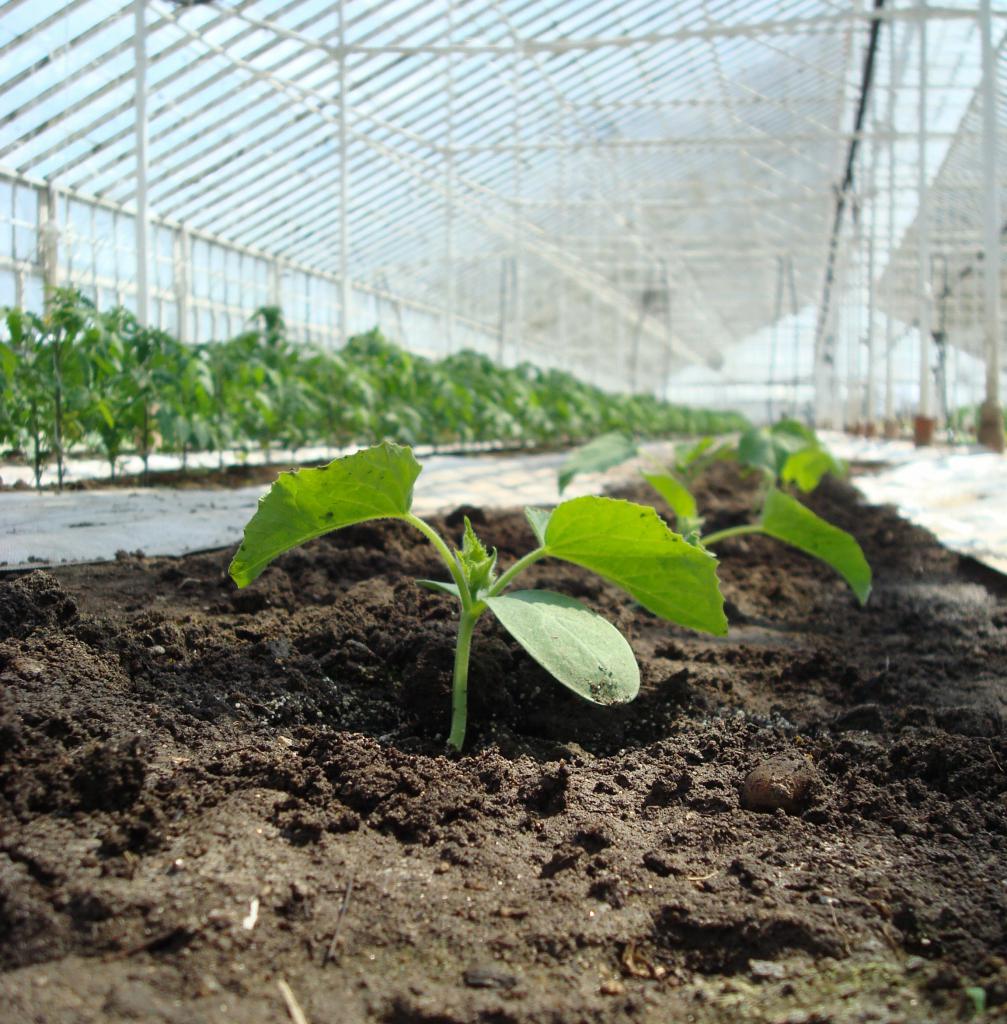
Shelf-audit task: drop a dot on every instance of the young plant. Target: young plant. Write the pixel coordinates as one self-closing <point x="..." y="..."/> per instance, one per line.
<point x="626" y="543"/>
<point x="786" y="453"/>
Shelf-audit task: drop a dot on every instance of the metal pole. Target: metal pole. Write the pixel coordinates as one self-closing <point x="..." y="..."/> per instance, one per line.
<point x="796" y="357"/>
<point x="870" y="400"/>
<point x="853" y="297"/>
<point x="665" y="382"/>
<point x="449" y="187"/>
<point x="345" y="287"/>
<point x="773" y="338"/>
<point x="182" y="282"/>
<point x="49" y="241"/>
<point x="563" y="328"/>
<point x="518" y="222"/>
<point x="925" y="423"/>
<point x="891" y="428"/>
<point x="140" y="124"/>
<point x="991" y="425"/>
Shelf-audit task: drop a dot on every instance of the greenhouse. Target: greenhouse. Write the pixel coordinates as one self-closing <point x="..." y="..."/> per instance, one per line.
<point x="503" y="511"/>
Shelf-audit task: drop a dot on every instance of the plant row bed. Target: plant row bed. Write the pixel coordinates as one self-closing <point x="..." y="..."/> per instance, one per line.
<point x="205" y="792"/>
<point x="77" y="379"/>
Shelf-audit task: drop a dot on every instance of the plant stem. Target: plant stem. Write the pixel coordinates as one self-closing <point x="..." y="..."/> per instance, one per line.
<point x="460" y="680"/>
<point x="519" y="566"/>
<point x="733" y="531"/>
<point x="446" y="557"/>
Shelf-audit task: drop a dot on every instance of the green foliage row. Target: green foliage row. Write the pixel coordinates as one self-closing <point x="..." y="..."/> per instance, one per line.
<point x="77" y="378"/>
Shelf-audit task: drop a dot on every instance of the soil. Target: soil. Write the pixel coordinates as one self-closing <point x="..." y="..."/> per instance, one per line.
<point x="226" y="805"/>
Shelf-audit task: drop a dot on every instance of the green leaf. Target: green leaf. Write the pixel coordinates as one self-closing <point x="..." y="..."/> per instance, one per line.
<point x="786" y="519"/>
<point x="807" y="467"/>
<point x="675" y="493"/>
<point x="572" y="643"/>
<point x="602" y="453"/>
<point x="632" y="546"/>
<point x="375" y="483"/>
<point x="538" y="520"/>
<point x="795" y="429"/>
<point x="439" y="587"/>
<point x="768" y="451"/>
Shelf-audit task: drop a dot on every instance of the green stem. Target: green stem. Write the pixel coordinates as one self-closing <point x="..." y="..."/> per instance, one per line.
<point x="733" y="531"/>
<point x="519" y="566"/>
<point x="446" y="557"/>
<point x="460" y="681"/>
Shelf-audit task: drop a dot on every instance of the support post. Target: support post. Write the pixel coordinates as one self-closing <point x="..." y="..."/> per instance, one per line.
<point x="991" y="421"/>
<point x="49" y="240"/>
<point x="796" y="358"/>
<point x="562" y="323"/>
<point x="449" y="189"/>
<point x="925" y="422"/>
<point x="773" y="341"/>
<point x="182" y="280"/>
<point x="870" y="397"/>
<point x="275" y="283"/>
<point x="665" y="382"/>
<point x="891" y="427"/>
<point x="345" y="286"/>
<point x="518" y="212"/>
<point x="140" y="124"/>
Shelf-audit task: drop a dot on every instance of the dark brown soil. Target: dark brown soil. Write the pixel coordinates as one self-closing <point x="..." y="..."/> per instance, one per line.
<point x="227" y="805"/>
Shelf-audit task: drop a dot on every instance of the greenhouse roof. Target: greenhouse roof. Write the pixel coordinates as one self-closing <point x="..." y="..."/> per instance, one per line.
<point x="660" y="172"/>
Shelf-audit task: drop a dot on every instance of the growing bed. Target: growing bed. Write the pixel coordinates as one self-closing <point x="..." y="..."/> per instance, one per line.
<point x="222" y="804"/>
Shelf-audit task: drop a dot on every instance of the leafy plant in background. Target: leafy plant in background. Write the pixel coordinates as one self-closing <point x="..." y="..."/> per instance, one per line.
<point x="786" y="453"/>
<point x="77" y="376"/>
<point x="49" y="373"/>
<point x="626" y="543"/>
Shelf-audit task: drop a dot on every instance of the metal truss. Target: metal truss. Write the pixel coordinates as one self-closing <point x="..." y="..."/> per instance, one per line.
<point x="614" y="187"/>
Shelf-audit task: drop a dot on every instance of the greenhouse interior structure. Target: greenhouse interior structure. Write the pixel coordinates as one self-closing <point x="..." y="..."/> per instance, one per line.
<point x="323" y="322"/>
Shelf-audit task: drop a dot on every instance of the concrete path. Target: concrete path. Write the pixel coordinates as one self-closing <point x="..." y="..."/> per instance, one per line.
<point x="90" y="526"/>
<point x="960" y="494"/>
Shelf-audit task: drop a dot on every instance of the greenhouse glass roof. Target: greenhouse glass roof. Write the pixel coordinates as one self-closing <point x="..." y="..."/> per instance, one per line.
<point x="561" y="181"/>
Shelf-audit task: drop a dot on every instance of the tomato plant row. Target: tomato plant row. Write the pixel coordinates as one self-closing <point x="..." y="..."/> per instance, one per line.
<point x="75" y="378"/>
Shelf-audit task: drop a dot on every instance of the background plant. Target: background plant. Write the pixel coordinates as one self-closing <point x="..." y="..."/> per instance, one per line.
<point x="787" y="453"/>
<point x="99" y="381"/>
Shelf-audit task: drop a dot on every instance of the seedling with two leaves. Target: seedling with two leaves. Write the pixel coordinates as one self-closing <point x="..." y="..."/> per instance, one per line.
<point x="626" y="543"/>
<point x="785" y="454"/>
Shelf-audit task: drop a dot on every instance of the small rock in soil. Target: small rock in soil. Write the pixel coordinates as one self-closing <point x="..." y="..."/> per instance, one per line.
<point x="766" y="970"/>
<point x="785" y="782"/>
<point x="488" y="977"/>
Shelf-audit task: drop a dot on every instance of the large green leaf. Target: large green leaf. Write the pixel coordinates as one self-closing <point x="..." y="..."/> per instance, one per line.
<point x="581" y="649"/>
<point x="675" y="493"/>
<point x="807" y="467"/>
<point x="375" y="483"/>
<point x="632" y="546"/>
<point x="786" y="519"/>
<point x="597" y="455"/>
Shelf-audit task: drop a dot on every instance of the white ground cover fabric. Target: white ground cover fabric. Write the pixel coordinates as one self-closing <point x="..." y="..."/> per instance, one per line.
<point x="959" y="494"/>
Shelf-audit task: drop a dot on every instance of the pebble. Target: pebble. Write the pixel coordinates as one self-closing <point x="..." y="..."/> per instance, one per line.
<point x="156" y="649"/>
<point x="766" y="970"/>
<point x="488" y="977"/>
<point x="785" y="783"/>
<point x="612" y="988"/>
<point x="27" y="667"/>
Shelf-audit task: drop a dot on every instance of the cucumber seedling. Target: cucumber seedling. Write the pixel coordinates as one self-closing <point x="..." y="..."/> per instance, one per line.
<point x="626" y="543"/>
<point x="787" y="453"/>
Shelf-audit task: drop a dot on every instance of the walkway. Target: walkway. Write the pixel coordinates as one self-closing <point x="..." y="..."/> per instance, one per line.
<point x="959" y="494"/>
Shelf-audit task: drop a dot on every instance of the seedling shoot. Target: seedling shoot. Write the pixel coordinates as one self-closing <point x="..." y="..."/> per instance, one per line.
<point x="626" y="543"/>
